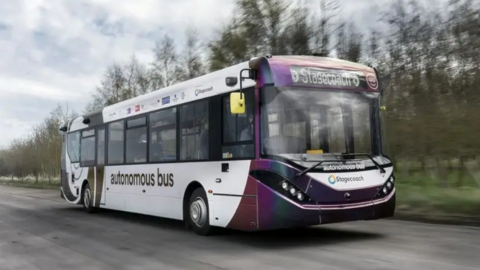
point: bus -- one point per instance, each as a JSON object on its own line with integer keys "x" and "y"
{"x": 274, "y": 142}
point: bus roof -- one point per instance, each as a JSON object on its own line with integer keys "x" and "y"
{"x": 213, "y": 83}
{"x": 204, "y": 86}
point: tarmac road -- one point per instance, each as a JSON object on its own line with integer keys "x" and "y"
{"x": 40, "y": 231}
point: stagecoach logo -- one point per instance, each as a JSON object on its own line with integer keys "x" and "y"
{"x": 199, "y": 91}
{"x": 325, "y": 77}
{"x": 332, "y": 179}
{"x": 129, "y": 110}
{"x": 137, "y": 108}
{"x": 183, "y": 95}
{"x": 372, "y": 81}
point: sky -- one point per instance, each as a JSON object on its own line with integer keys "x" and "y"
{"x": 55, "y": 51}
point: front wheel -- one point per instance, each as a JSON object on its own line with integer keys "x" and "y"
{"x": 87, "y": 199}
{"x": 198, "y": 213}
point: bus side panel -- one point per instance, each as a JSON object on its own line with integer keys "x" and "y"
{"x": 245, "y": 217}
{"x": 76, "y": 176}
{"x": 228, "y": 193}
{"x": 158, "y": 189}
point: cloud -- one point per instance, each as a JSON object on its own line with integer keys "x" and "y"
{"x": 55, "y": 51}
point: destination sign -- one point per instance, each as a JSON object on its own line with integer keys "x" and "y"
{"x": 327, "y": 77}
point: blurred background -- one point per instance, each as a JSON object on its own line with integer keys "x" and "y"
{"x": 426, "y": 52}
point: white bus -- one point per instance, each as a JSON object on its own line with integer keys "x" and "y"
{"x": 274, "y": 142}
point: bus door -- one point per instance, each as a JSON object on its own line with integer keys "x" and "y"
{"x": 99, "y": 169}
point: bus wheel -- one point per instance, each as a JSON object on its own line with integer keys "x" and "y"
{"x": 198, "y": 213}
{"x": 87, "y": 199}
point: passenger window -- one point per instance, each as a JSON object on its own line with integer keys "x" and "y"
{"x": 194, "y": 144}
{"x": 87, "y": 153}
{"x": 163, "y": 135}
{"x": 115, "y": 142}
{"x": 238, "y": 129}
{"x": 137, "y": 140}
{"x": 73, "y": 142}
{"x": 101, "y": 146}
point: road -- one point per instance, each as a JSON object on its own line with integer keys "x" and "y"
{"x": 40, "y": 231}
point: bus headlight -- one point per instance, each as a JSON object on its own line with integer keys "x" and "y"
{"x": 300, "y": 196}
{"x": 285, "y": 185}
{"x": 385, "y": 191}
{"x": 389, "y": 185}
{"x": 293, "y": 191}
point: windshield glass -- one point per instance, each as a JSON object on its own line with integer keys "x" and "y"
{"x": 297, "y": 121}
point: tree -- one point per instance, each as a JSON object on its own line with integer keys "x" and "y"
{"x": 229, "y": 49}
{"x": 323, "y": 31}
{"x": 165, "y": 67}
{"x": 299, "y": 32}
{"x": 192, "y": 60}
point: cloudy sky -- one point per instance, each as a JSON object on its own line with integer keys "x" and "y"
{"x": 54, "y": 51}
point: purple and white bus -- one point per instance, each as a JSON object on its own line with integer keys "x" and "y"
{"x": 274, "y": 142}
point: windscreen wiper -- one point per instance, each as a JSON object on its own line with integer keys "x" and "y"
{"x": 343, "y": 155}
{"x": 382, "y": 170}
{"x": 300, "y": 174}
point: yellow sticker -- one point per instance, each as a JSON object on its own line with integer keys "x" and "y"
{"x": 319, "y": 151}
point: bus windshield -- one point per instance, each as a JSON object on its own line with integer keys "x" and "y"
{"x": 295, "y": 121}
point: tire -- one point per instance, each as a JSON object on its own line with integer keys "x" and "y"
{"x": 198, "y": 214}
{"x": 87, "y": 199}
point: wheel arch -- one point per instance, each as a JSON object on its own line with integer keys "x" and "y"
{"x": 82, "y": 189}
{"x": 186, "y": 197}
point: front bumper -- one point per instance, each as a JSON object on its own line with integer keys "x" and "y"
{"x": 374, "y": 210}
{"x": 287, "y": 213}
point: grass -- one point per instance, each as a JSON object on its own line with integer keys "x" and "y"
{"x": 440, "y": 197}
{"x": 28, "y": 183}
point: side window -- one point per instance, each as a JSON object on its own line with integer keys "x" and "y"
{"x": 73, "y": 144}
{"x": 101, "y": 146}
{"x": 238, "y": 129}
{"x": 163, "y": 135}
{"x": 87, "y": 153}
{"x": 137, "y": 140}
{"x": 115, "y": 142}
{"x": 194, "y": 131}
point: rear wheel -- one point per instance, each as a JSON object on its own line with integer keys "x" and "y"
{"x": 198, "y": 215}
{"x": 87, "y": 199}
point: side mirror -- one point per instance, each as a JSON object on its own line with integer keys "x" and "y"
{"x": 237, "y": 103}
{"x": 231, "y": 81}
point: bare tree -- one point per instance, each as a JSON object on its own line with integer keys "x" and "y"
{"x": 192, "y": 62}
{"x": 327, "y": 12}
{"x": 166, "y": 70}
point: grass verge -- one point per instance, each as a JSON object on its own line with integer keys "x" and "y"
{"x": 41, "y": 184}
{"x": 431, "y": 203}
